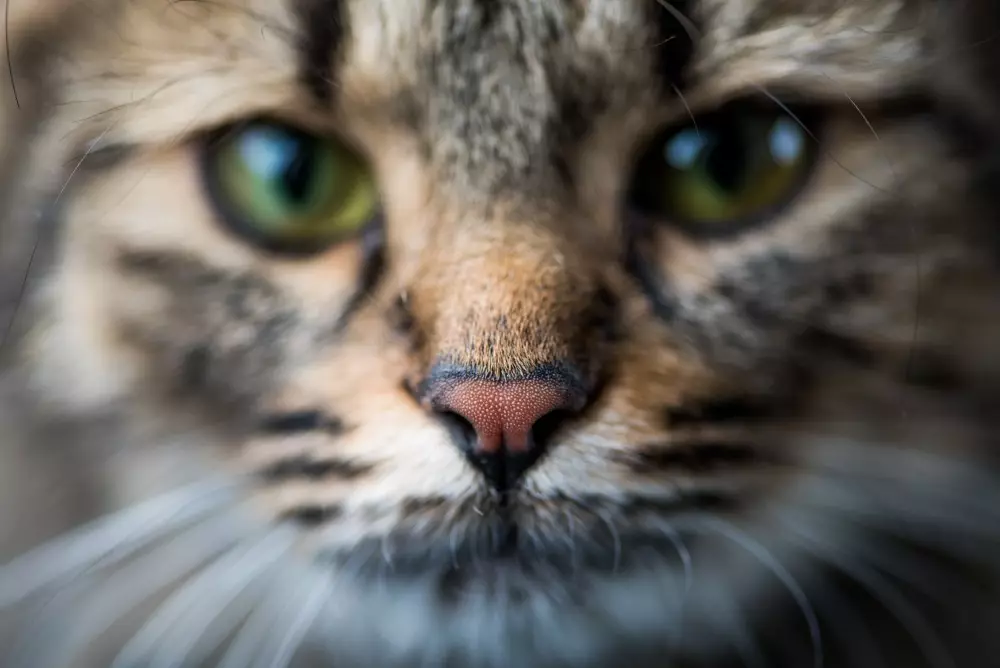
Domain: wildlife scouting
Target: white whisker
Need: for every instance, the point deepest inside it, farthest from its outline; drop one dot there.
(850, 628)
(311, 605)
(226, 623)
(249, 643)
(938, 584)
(683, 553)
(178, 624)
(741, 636)
(137, 582)
(615, 537)
(887, 595)
(107, 540)
(934, 517)
(878, 460)
(764, 556)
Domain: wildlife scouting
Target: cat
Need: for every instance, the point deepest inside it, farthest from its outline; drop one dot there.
(484, 333)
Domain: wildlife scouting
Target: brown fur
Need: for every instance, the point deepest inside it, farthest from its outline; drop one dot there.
(503, 138)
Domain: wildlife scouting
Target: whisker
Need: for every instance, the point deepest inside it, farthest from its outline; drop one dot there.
(683, 554)
(938, 584)
(850, 628)
(687, 107)
(10, 61)
(108, 540)
(764, 556)
(887, 595)
(957, 496)
(312, 604)
(613, 530)
(886, 458)
(741, 636)
(689, 27)
(225, 624)
(177, 625)
(933, 517)
(51, 641)
(248, 644)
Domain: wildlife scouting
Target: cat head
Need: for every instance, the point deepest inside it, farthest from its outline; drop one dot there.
(521, 313)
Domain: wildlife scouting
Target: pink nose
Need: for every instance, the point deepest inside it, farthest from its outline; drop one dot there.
(503, 415)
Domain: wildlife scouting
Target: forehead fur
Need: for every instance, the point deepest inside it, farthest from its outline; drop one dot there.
(509, 73)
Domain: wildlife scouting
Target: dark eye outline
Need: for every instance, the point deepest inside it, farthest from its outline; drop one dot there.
(809, 117)
(234, 222)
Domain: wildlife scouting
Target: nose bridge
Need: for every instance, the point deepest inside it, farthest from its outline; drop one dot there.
(504, 294)
(510, 313)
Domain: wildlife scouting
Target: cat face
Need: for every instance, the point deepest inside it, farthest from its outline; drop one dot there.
(529, 329)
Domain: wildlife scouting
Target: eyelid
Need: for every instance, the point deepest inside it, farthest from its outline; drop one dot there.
(331, 131)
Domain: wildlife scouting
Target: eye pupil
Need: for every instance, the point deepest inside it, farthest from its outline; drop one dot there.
(727, 162)
(299, 175)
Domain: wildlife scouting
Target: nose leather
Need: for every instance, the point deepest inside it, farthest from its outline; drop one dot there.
(503, 413)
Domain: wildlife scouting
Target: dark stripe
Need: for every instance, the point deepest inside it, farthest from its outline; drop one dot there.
(718, 412)
(640, 233)
(172, 267)
(690, 499)
(320, 36)
(933, 371)
(37, 244)
(313, 469)
(312, 515)
(675, 35)
(372, 267)
(978, 143)
(815, 342)
(100, 159)
(702, 457)
(421, 505)
(299, 422)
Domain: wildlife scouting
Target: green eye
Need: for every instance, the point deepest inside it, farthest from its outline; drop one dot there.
(289, 191)
(740, 162)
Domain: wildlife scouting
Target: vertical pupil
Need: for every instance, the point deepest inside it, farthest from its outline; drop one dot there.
(298, 172)
(726, 161)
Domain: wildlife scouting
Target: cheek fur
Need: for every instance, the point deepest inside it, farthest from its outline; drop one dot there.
(783, 453)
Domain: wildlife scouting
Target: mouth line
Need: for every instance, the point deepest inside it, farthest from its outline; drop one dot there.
(499, 545)
(508, 563)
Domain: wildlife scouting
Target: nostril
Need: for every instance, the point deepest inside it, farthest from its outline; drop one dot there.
(461, 430)
(501, 425)
(547, 426)
(493, 465)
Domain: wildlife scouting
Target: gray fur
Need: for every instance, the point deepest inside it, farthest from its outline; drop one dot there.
(789, 458)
